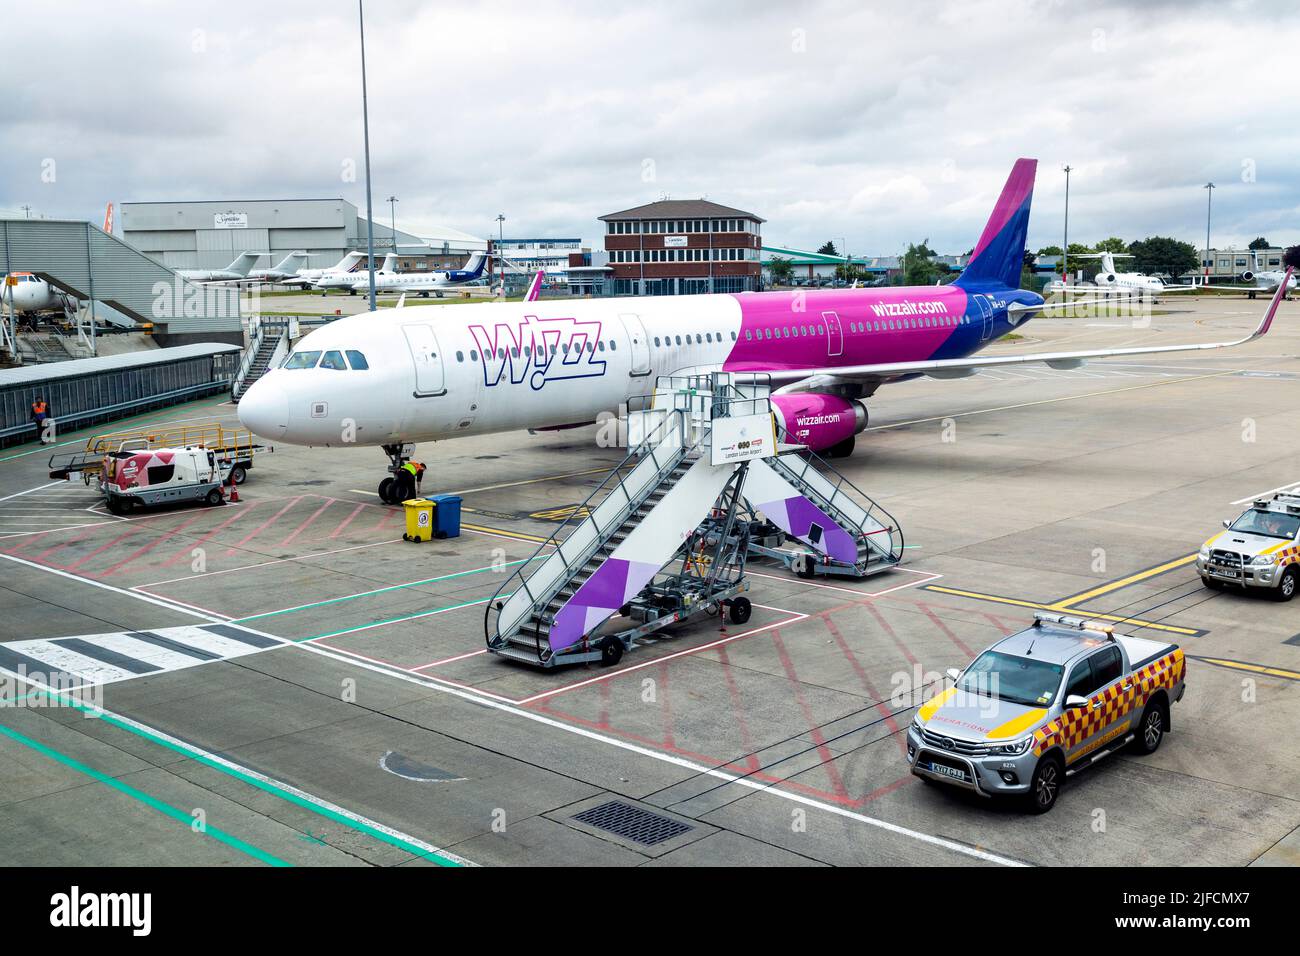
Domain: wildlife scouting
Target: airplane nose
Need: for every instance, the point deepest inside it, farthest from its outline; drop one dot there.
(264, 410)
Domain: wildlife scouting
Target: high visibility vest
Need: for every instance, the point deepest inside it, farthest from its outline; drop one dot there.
(412, 468)
(38, 408)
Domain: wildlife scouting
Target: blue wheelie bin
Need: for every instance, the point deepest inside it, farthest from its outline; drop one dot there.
(446, 515)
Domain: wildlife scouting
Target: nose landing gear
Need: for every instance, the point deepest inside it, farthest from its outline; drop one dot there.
(400, 485)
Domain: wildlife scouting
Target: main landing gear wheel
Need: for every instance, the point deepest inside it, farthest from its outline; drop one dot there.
(386, 491)
(739, 610)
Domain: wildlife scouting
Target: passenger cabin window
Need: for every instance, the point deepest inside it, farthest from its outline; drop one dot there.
(302, 360)
(357, 360)
(334, 360)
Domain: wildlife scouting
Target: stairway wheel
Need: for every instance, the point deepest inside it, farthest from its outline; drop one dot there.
(611, 651)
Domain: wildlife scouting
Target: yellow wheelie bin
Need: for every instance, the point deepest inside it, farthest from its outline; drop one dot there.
(419, 519)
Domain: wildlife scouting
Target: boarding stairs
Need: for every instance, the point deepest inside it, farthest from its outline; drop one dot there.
(864, 538)
(703, 451)
(267, 347)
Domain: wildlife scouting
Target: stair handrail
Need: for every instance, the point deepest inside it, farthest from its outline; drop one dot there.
(254, 343)
(824, 467)
(674, 419)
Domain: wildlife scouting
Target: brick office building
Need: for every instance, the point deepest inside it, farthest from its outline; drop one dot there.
(683, 247)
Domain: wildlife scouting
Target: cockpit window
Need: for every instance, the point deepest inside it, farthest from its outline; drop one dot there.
(357, 360)
(302, 360)
(334, 360)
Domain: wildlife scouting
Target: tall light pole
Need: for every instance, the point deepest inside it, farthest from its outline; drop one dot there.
(365, 121)
(1209, 198)
(501, 252)
(392, 206)
(1065, 239)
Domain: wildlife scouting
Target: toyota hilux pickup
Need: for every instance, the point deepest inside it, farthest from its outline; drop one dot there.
(1261, 549)
(1043, 704)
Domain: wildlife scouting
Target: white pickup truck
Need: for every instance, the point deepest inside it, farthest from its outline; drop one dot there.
(1043, 704)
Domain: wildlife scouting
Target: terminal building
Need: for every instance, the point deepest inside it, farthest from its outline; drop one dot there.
(683, 247)
(211, 234)
(526, 256)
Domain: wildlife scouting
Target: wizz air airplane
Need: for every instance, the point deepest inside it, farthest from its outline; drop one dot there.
(401, 376)
(387, 280)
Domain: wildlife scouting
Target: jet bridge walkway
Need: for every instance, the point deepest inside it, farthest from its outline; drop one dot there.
(666, 534)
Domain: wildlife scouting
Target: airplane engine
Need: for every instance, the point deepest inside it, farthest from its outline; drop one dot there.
(1247, 276)
(825, 423)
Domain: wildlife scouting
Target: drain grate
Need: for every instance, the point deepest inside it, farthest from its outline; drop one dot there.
(632, 823)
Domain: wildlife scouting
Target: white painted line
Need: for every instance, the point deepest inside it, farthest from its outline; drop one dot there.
(481, 699)
(1293, 487)
(928, 577)
(451, 660)
(263, 564)
(794, 619)
(19, 494)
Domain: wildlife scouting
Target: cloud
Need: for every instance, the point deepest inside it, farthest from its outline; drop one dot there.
(882, 123)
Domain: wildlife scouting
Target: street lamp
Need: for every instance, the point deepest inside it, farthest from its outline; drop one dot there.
(392, 206)
(501, 252)
(1065, 240)
(1209, 198)
(365, 123)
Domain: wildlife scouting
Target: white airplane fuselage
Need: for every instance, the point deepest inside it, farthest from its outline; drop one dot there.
(30, 293)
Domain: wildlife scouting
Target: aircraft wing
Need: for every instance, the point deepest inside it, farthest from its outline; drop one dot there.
(812, 379)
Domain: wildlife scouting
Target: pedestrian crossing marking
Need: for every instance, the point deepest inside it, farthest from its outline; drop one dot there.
(92, 659)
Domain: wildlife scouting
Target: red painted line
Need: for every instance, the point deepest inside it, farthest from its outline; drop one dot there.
(303, 527)
(25, 541)
(1001, 625)
(147, 548)
(102, 548)
(937, 622)
(389, 515)
(814, 730)
(911, 659)
(881, 705)
(261, 527)
(186, 551)
(665, 708)
(738, 710)
(347, 521)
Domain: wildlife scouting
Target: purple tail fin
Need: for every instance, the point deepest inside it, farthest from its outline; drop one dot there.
(1000, 253)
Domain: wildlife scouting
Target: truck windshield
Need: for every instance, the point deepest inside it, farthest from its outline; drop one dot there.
(1018, 680)
(1271, 524)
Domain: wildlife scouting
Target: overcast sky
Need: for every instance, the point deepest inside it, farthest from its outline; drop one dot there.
(882, 123)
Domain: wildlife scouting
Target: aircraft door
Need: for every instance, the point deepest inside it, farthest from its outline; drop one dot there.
(430, 376)
(638, 345)
(986, 314)
(834, 334)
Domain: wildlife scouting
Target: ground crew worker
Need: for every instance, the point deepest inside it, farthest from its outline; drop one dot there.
(411, 480)
(40, 415)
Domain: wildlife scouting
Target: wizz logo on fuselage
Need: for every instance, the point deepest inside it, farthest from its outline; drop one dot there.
(538, 351)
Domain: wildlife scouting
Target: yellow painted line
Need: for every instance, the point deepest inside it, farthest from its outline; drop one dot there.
(1253, 668)
(509, 534)
(996, 599)
(1066, 603)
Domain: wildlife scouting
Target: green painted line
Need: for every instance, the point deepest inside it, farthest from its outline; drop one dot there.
(391, 620)
(263, 785)
(395, 587)
(120, 421)
(164, 808)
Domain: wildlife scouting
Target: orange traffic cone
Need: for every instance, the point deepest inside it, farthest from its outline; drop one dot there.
(234, 491)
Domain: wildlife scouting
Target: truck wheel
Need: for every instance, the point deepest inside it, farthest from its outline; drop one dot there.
(740, 610)
(611, 651)
(1286, 588)
(214, 498)
(238, 474)
(115, 506)
(1212, 584)
(1045, 784)
(1151, 728)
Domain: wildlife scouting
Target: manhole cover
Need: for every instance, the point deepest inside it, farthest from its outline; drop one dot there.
(632, 823)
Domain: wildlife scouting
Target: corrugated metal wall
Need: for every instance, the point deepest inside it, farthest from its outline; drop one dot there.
(85, 261)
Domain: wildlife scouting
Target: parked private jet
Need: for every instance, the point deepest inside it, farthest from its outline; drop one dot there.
(402, 376)
(1267, 281)
(424, 283)
(306, 278)
(1124, 283)
(286, 269)
(237, 270)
